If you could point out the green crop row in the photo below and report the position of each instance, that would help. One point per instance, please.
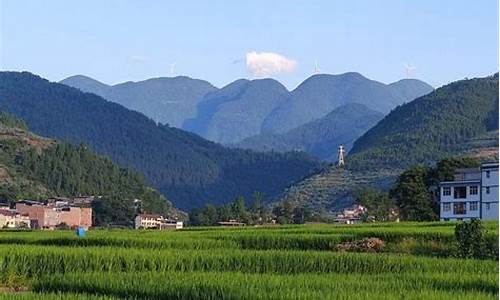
(178, 285)
(38, 260)
(439, 236)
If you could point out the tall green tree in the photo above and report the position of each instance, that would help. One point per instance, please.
(379, 205)
(413, 197)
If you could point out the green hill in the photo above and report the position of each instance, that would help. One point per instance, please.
(322, 93)
(443, 123)
(33, 167)
(320, 137)
(189, 170)
(237, 110)
(169, 100)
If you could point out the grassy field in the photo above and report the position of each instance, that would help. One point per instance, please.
(416, 261)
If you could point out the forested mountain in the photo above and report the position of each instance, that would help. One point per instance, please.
(442, 123)
(320, 137)
(458, 119)
(246, 108)
(320, 94)
(189, 170)
(237, 110)
(32, 167)
(409, 89)
(166, 100)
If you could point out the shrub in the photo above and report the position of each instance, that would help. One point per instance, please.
(471, 242)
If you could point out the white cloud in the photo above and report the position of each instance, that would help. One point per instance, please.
(267, 63)
(141, 59)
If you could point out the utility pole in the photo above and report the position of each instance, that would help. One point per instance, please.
(341, 161)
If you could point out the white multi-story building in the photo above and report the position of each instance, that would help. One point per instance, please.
(473, 194)
(489, 191)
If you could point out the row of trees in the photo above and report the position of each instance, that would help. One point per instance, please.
(210, 215)
(415, 195)
(254, 212)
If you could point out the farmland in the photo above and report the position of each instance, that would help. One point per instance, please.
(416, 261)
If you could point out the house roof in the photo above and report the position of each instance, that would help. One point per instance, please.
(460, 182)
(9, 213)
(151, 216)
(489, 165)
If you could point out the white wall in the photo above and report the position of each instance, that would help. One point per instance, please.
(490, 198)
(468, 200)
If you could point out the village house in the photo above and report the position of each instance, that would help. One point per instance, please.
(473, 194)
(156, 221)
(351, 215)
(13, 219)
(50, 216)
(231, 223)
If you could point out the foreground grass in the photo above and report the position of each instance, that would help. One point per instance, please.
(289, 262)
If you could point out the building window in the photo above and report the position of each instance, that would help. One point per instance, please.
(487, 206)
(446, 191)
(487, 174)
(460, 192)
(446, 206)
(487, 190)
(459, 208)
(473, 190)
(473, 206)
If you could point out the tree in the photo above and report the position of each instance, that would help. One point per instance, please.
(379, 205)
(284, 212)
(259, 213)
(412, 196)
(197, 217)
(239, 210)
(211, 216)
(113, 210)
(470, 238)
(445, 168)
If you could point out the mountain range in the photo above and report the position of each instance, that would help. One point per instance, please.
(246, 108)
(434, 126)
(187, 169)
(166, 100)
(458, 119)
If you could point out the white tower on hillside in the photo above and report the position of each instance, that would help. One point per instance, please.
(341, 161)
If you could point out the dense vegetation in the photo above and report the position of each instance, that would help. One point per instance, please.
(320, 137)
(415, 193)
(255, 213)
(189, 170)
(320, 94)
(434, 126)
(165, 100)
(37, 168)
(245, 108)
(416, 260)
(237, 110)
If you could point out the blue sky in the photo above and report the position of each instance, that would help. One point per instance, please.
(220, 41)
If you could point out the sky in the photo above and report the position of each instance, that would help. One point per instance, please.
(220, 41)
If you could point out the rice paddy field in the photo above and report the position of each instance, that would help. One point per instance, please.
(411, 261)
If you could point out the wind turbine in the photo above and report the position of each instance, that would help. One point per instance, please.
(409, 68)
(316, 67)
(172, 69)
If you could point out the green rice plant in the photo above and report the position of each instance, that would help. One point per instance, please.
(38, 260)
(179, 285)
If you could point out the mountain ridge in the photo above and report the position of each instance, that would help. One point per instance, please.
(216, 114)
(189, 170)
(319, 137)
